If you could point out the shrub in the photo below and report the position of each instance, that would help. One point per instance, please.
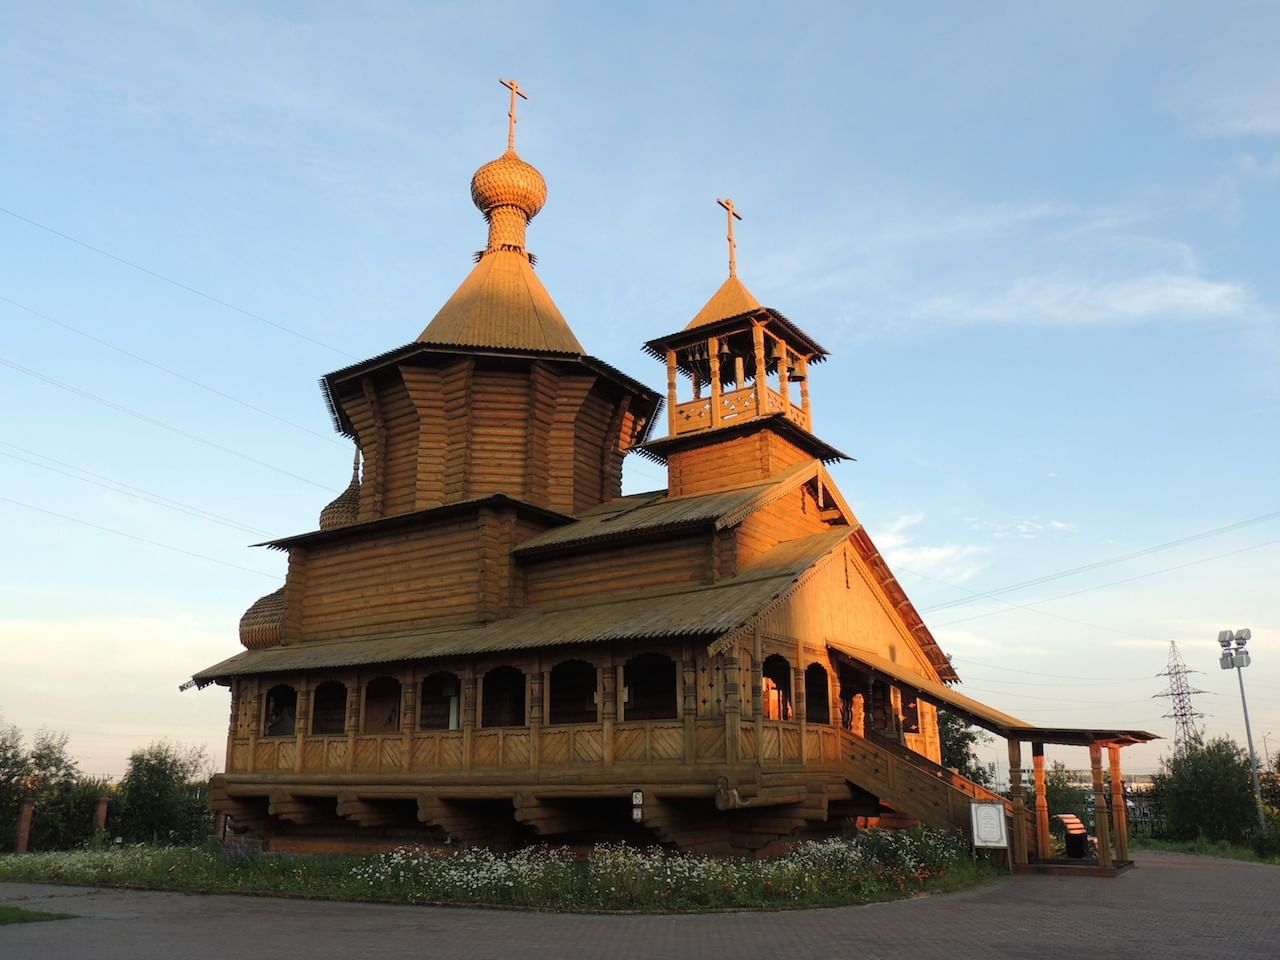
(1207, 791)
(163, 797)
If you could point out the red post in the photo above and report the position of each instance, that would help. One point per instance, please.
(25, 815)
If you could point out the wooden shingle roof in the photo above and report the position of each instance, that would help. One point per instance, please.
(700, 610)
(502, 303)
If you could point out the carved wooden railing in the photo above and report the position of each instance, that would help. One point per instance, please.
(917, 786)
(579, 744)
(735, 405)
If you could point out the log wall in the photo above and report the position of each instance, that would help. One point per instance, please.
(731, 462)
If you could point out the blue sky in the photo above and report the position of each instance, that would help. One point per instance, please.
(1038, 241)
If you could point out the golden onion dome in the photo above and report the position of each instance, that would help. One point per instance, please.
(509, 182)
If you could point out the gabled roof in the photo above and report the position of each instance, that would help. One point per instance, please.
(700, 610)
(645, 513)
(502, 303)
(982, 715)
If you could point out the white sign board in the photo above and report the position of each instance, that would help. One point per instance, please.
(989, 826)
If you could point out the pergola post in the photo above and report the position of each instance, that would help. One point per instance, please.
(1119, 811)
(1100, 825)
(1042, 802)
(1019, 802)
(713, 359)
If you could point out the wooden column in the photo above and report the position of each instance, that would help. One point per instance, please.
(301, 711)
(784, 378)
(234, 723)
(468, 714)
(762, 380)
(100, 814)
(798, 698)
(804, 394)
(1101, 828)
(535, 714)
(1042, 802)
(757, 690)
(355, 694)
(732, 707)
(689, 701)
(1119, 811)
(255, 725)
(1019, 832)
(713, 348)
(672, 380)
(739, 377)
(608, 707)
(408, 715)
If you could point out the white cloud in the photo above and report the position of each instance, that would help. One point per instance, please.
(1027, 528)
(1062, 300)
(949, 563)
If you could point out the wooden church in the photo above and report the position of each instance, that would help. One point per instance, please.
(485, 642)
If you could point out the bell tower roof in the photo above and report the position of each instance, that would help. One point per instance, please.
(502, 303)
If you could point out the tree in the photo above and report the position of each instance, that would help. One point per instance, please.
(958, 741)
(162, 797)
(1208, 792)
(15, 767)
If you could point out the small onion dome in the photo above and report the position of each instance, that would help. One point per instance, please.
(345, 508)
(263, 623)
(509, 182)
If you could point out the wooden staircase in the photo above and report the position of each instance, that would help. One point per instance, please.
(916, 786)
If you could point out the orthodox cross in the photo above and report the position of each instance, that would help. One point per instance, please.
(731, 214)
(511, 114)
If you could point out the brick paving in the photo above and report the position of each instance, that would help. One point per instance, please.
(1172, 906)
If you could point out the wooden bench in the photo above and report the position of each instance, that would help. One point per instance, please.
(1075, 828)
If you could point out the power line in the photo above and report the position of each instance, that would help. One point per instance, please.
(157, 423)
(116, 486)
(1114, 583)
(1022, 606)
(1034, 673)
(179, 284)
(171, 372)
(1085, 568)
(131, 536)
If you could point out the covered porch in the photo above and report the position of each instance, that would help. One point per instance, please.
(1030, 841)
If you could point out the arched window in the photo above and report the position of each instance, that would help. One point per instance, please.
(382, 706)
(329, 708)
(573, 692)
(776, 675)
(439, 703)
(503, 697)
(649, 687)
(281, 712)
(817, 696)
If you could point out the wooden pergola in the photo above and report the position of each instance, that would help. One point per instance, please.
(1112, 836)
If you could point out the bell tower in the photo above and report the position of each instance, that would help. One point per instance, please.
(744, 413)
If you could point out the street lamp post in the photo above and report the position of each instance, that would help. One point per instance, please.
(1238, 657)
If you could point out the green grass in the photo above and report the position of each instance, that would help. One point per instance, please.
(872, 866)
(1203, 847)
(18, 915)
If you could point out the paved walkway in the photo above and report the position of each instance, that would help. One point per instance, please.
(1172, 906)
